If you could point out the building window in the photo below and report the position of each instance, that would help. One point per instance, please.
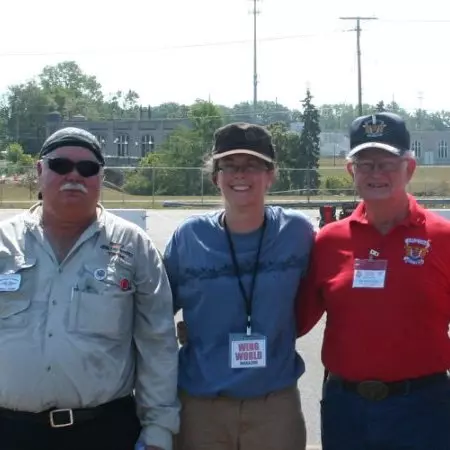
(122, 142)
(147, 144)
(443, 150)
(102, 140)
(417, 149)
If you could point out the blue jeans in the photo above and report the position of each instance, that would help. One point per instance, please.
(418, 420)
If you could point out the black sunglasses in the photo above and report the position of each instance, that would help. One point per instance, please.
(63, 166)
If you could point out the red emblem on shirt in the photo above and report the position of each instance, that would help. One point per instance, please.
(124, 284)
(416, 250)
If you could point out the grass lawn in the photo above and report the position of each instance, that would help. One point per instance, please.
(12, 197)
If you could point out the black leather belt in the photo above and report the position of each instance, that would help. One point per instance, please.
(378, 390)
(66, 417)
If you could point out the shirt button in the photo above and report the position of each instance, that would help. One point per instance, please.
(49, 368)
(50, 334)
(53, 302)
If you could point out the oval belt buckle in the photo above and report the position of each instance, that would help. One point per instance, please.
(373, 390)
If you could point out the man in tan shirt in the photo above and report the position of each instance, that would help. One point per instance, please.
(87, 342)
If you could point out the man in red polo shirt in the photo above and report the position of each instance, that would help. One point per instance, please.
(382, 276)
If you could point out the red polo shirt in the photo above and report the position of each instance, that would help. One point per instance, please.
(391, 333)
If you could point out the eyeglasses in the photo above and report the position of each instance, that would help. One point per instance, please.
(252, 168)
(63, 166)
(382, 166)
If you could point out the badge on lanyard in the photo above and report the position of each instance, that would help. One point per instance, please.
(369, 273)
(247, 351)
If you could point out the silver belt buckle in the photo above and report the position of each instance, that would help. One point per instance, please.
(68, 423)
(373, 390)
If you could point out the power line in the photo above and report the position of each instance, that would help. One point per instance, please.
(116, 51)
(358, 54)
(415, 20)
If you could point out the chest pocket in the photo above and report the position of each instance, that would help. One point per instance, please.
(102, 302)
(17, 285)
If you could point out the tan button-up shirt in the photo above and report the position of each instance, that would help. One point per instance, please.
(91, 329)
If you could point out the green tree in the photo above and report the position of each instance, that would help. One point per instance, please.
(206, 118)
(379, 107)
(64, 88)
(177, 165)
(143, 181)
(287, 144)
(16, 155)
(170, 110)
(121, 105)
(339, 185)
(26, 106)
(338, 116)
(309, 148)
(68, 76)
(4, 116)
(267, 112)
(394, 107)
(178, 162)
(73, 91)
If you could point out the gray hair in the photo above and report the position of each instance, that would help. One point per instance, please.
(409, 154)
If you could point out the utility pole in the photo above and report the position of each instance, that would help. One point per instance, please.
(255, 13)
(420, 110)
(358, 54)
(420, 98)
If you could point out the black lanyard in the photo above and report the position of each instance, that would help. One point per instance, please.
(248, 299)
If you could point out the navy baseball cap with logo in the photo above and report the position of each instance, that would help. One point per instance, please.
(384, 130)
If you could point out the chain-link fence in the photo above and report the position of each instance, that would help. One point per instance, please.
(153, 187)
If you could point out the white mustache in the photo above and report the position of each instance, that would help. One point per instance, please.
(73, 187)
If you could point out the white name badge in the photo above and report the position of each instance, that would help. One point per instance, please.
(247, 352)
(10, 282)
(369, 273)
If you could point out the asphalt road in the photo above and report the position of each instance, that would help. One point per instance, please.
(160, 225)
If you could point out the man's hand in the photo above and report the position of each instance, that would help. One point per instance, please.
(182, 333)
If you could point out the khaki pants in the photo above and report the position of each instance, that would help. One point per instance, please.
(272, 422)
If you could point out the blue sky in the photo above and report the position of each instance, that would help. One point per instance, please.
(179, 50)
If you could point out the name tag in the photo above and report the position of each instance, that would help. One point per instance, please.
(10, 282)
(247, 352)
(369, 274)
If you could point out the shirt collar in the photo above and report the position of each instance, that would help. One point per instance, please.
(416, 216)
(33, 217)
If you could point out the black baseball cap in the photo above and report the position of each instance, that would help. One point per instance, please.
(73, 137)
(243, 138)
(386, 131)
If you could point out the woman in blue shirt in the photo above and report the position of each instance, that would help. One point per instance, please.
(234, 274)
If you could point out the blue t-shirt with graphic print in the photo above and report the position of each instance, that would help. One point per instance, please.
(206, 289)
